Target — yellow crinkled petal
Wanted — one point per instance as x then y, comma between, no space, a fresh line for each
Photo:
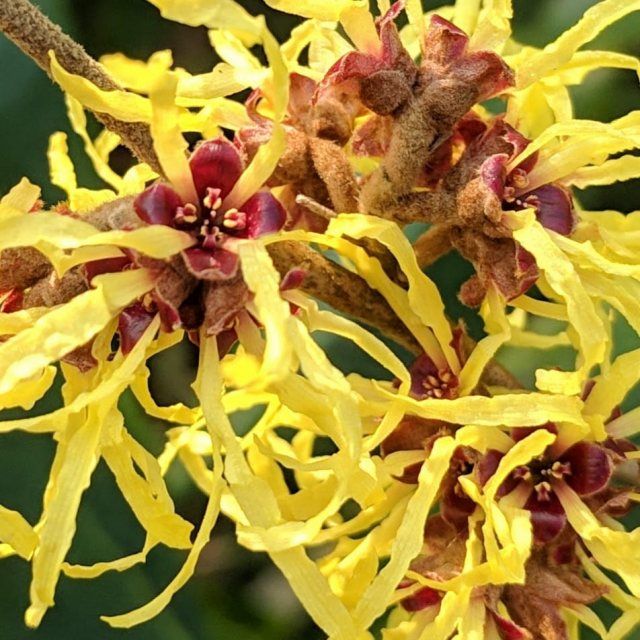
20,198
624,625
78,121
222,112
529,111
532,340
174,413
262,279
614,549
509,410
47,229
482,439
89,572
466,14
318,320
493,28
122,105
325,49
417,21
360,27
223,80
63,175
76,458
587,257
588,618
386,427
135,179
584,62
473,621
137,75
259,169
300,37
147,495
562,277
351,576
168,141
615,594
120,375
16,321
498,331
558,98
17,532
318,9
232,50
626,426
229,15
559,52
161,601
410,536
612,387
63,329
61,170
65,259
541,308
578,149
28,392
520,454
105,142
223,14
616,170
260,506
623,294
423,295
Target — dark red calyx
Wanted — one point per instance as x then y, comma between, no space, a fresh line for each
213,263
589,466
520,433
421,599
554,208
158,204
11,301
132,323
263,214
107,265
293,279
383,81
215,164
548,518
509,630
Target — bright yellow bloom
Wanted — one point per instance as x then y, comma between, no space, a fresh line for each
518,476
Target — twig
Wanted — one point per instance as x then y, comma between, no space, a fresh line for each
36,35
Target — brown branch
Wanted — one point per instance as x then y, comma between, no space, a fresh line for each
346,292
36,35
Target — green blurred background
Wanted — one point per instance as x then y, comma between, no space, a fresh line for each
235,594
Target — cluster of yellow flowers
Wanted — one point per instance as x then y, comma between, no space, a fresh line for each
473,510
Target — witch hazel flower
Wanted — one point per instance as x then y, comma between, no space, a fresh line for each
202,284
521,521
585,467
469,209
215,167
